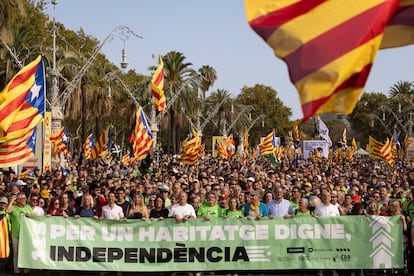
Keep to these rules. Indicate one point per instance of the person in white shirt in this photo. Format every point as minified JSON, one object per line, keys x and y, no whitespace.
{"x":325,"y":208}
{"x":111,"y":210}
{"x":34,"y":203}
{"x":182,"y":211}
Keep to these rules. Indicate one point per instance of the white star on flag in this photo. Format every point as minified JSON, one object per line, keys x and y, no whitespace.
{"x":35,"y":91}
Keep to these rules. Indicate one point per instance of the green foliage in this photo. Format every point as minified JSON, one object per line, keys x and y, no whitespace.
{"x":264,"y":101}
{"x":366,"y":112}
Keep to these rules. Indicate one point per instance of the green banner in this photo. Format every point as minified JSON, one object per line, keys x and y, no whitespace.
{"x":356,"y":242}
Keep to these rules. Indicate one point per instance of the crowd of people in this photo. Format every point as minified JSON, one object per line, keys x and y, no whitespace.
{"x":214,"y":187}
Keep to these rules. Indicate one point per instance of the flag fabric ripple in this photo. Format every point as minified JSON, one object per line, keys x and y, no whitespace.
{"x":330,"y":46}
{"x":157,"y":88}
{"x":22,"y":101}
{"x":142,"y":137}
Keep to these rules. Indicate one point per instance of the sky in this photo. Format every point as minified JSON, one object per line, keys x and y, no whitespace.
{"x":209,"y":32}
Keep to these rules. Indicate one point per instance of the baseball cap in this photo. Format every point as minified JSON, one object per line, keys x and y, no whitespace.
{"x":4,"y":199}
{"x":308,"y":184}
{"x":44,"y":193}
{"x":164,"y":188}
{"x":251,"y":179}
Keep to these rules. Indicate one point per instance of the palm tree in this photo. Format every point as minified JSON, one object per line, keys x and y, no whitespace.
{"x":10,"y":12}
{"x":225,"y":111}
{"x":397,"y":110}
{"x":179,"y":78}
{"x":208,"y":76}
{"x":402,"y":87}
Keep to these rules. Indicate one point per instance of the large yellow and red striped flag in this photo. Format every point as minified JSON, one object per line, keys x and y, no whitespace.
{"x":268,"y":145}
{"x":374,"y":148}
{"x":102,"y":145}
{"x":192,"y":149}
{"x":330,"y":46}
{"x":157,"y":88}
{"x":18,"y":151}
{"x":142,"y":137}
{"x":22,"y":101}
{"x":88,"y":145}
{"x":387,"y":154}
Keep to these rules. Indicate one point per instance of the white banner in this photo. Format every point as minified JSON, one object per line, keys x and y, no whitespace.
{"x":311,"y":147}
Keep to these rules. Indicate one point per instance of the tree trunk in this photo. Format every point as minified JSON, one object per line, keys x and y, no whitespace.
{"x":84,"y":114}
{"x":173,"y":132}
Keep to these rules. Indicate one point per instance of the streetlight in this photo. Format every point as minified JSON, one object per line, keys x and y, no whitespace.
{"x":58,"y":101}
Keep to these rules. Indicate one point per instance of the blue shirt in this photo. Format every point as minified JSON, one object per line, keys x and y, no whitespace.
{"x":262,"y":209}
{"x":279,"y":209}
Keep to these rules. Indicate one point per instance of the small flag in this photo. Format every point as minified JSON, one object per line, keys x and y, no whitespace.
{"x":102,"y":145}
{"x":268,"y":145}
{"x":324,"y":131}
{"x":60,"y":141}
{"x":142,"y":137}
{"x":157,"y":87}
{"x":88,"y":146}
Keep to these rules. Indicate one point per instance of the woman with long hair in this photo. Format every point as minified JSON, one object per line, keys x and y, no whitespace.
{"x":137,"y":210}
{"x":235,"y":209}
{"x":159,"y":211}
{"x":43,"y":203}
{"x":55,"y":210}
{"x":373,"y":209}
{"x":87,"y":208}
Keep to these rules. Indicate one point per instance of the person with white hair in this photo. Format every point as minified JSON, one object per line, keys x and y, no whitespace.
{"x":326,"y":208}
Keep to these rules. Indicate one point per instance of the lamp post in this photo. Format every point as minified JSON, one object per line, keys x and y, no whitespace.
{"x":56,"y":107}
{"x":58,"y":100}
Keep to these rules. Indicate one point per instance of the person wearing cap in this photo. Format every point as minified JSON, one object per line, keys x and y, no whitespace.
{"x":164,"y":192}
{"x":334,"y":199}
{"x":3,"y":204}
{"x":15,"y":208}
{"x":279,"y":206}
{"x":249,"y":184}
{"x":307,"y":189}
{"x":255,"y":208}
{"x":213,"y":180}
{"x":221,"y":181}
